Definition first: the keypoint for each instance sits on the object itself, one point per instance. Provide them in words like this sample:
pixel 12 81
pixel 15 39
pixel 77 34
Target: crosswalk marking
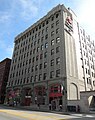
pixel 83 115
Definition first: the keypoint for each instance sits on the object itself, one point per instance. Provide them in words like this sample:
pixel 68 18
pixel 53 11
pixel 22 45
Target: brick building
pixel 4 72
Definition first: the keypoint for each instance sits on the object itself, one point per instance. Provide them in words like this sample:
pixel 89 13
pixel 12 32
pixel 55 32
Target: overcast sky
pixel 17 15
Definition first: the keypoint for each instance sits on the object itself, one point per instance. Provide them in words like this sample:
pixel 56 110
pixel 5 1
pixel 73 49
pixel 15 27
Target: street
pixel 17 114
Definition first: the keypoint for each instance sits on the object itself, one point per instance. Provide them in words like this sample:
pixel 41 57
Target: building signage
pixel 69 24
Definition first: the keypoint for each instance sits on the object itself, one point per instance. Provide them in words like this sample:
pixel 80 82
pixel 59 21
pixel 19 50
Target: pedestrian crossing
pixel 83 115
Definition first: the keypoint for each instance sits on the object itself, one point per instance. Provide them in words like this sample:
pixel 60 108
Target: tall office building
pixel 4 72
pixel 87 49
pixel 48 64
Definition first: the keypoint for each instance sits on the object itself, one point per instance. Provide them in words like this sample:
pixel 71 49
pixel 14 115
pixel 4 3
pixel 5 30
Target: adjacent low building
pixel 4 72
pixel 49 64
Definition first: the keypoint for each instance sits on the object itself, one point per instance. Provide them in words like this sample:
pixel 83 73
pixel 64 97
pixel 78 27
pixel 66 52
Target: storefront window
pixel 40 94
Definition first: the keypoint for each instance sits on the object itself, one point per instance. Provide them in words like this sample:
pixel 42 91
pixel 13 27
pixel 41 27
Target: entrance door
pixel 27 101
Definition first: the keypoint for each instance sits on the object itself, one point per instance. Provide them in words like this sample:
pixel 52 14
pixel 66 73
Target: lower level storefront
pixel 37 95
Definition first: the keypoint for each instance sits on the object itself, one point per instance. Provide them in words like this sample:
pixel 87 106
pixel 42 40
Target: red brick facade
pixel 4 72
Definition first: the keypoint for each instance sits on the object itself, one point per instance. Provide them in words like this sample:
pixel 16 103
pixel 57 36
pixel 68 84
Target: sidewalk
pixel 45 110
pixel 37 109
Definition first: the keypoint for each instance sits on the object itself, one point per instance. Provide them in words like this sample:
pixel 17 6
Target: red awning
pixel 55 94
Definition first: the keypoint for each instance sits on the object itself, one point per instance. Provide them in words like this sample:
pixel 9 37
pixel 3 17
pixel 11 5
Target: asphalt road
pixel 17 114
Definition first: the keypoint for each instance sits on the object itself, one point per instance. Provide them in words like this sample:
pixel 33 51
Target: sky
pixel 17 15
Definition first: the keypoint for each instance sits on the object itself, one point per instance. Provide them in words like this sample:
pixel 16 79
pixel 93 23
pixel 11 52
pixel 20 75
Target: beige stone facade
pixel 47 64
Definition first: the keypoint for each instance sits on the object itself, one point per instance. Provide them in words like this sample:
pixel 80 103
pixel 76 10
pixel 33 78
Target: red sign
pixel 69 24
pixel 69 20
pixel 55 94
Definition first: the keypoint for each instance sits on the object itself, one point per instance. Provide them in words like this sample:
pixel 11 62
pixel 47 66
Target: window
pixel 47 22
pixel 31 52
pixel 40 67
pixel 26 48
pixel 35 78
pixel 26 62
pixel 31 45
pixel 34 51
pixel 94 82
pixel 39 34
pixel 43 24
pixel 40 77
pixel 29 61
pixel 52 33
pixel 31 79
pixel 24 80
pixel 33 59
pixel 38 49
pixel 45 76
pixel 84 60
pixel 36 67
pixel 57 73
pixel 45 54
pixel 45 64
pixel 27 79
pixel 52 18
pixel 86 54
pixel 21 81
pixel 57 22
pixel 46 36
pixel 57 30
pixel 16 74
pixel 92 74
pixel 87 63
pixel 38 41
pixel 52 62
pixel 37 57
pixel 25 70
pixel 86 70
pixel 52 42
pixel 57 49
pixel 32 69
pixel 52 51
pixel 46 45
pixel 39 26
pixel 52 25
pixel 88 81
pixel 46 29
pixel 57 39
pixel 42 39
pixel 42 31
pixel 51 74
pixel 23 63
pixel 32 37
pixel 58 60
pixel 27 54
pixel 41 56
pixel 22 72
pixel 34 43
pixel 85 47
pixel 57 15
pixel 35 35
pixel 41 47
pixel 36 29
